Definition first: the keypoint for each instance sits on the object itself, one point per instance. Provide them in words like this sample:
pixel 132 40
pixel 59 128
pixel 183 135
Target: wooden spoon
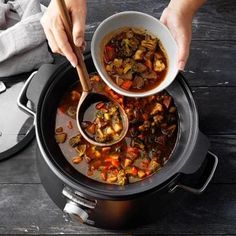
pixel 88 97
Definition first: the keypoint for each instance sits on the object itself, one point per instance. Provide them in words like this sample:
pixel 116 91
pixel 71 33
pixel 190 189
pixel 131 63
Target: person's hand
pixel 180 26
pixel 55 32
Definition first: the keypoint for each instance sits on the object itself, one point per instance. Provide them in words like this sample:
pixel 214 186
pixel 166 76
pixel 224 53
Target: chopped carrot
pixel 100 105
pixel 114 162
pixel 127 84
pixel 69 125
pixel 77 160
pixel 148 63
pixel 109 54
pixel 134 171
pixel 91 129
pixel 114 95
pixel 104 175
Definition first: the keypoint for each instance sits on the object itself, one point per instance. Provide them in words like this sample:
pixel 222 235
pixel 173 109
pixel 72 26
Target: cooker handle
pixel 38 82
pixel 211 164
pixel 22 100
pixel 197 155
pixel 33 87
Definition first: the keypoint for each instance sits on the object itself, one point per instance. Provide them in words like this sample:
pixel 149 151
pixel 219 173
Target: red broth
pixel 135 60
pixel 145 149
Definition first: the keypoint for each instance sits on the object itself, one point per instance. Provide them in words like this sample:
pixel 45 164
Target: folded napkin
pixel 23 44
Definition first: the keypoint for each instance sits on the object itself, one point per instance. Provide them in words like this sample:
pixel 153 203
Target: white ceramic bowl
pixel 136 20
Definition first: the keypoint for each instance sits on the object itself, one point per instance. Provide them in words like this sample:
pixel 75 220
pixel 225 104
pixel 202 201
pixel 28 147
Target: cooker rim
pixel 114 194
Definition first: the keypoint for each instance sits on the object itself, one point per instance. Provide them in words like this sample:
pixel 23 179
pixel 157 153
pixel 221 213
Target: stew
pixel 135 60
pixel 145 149
pixel 103 122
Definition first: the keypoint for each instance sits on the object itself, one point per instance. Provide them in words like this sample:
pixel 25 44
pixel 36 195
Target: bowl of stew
pixel 135 54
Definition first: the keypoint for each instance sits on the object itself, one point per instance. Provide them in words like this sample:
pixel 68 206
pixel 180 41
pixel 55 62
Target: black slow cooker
pixel 99 204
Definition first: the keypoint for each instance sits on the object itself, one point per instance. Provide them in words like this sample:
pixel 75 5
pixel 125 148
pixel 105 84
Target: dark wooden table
pixel 26 208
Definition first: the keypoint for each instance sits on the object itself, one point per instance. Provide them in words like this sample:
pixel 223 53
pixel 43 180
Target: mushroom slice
pixel 74 141
pixel 60 138
pixel 80 149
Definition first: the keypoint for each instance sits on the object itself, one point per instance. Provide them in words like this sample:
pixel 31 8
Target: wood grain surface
pixel 25 207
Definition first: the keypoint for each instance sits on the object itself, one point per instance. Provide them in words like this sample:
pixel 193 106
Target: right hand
pixel 55 32
pixel 180 26
pixel 178 17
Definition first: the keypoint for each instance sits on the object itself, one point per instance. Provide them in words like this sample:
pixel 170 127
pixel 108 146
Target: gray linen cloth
pixel 23 44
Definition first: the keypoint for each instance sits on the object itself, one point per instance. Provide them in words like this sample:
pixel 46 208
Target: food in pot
pixel 103 122
pixel 135 60
pixel 146 147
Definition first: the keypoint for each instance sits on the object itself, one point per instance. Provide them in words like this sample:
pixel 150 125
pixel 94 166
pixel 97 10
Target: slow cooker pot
pixel 99 204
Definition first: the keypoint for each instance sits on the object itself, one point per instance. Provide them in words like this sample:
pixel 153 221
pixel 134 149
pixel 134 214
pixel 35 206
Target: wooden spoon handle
pixel 81 67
